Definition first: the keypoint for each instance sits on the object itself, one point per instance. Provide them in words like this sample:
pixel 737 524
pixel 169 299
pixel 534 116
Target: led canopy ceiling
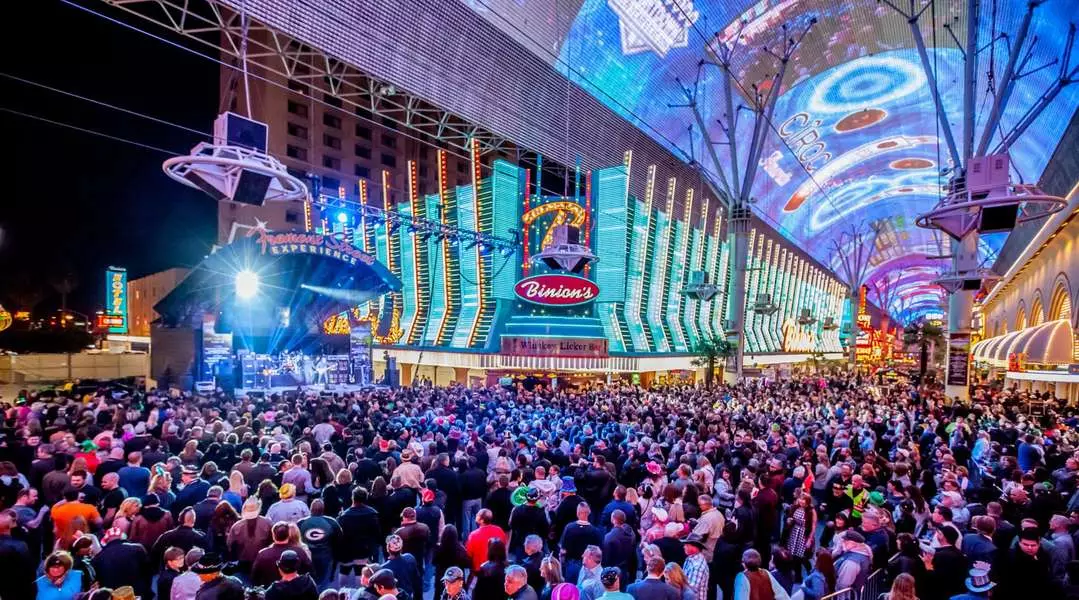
pixel 854 138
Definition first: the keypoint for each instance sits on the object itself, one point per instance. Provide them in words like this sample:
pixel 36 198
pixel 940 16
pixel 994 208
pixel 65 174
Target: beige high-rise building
pixel 314 133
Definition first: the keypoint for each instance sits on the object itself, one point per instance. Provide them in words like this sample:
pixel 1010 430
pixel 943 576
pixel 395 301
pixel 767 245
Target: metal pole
pixel 970 78
pixel 740 219
pixel 1007 80
pixel 732 135
pixel 945 127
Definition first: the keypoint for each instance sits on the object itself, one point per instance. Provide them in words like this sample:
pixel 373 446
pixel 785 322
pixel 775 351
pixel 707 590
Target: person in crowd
pixel 186 585
pixel 60 581
pixel 405 567
pixel 551 570
pixel 172 568
pixel 249 535
pixel 902 589
pixel 516 584
pixel 450 554
pixel 588 577
pixel 754 582
pixel 184 536
pixel 120 563
pixel 653 587
pixel 321 534
pixel 292 585
pixel 611 577
pixel 215 584
pixel 453 585
pixel 264 568
pixel 17 564
pixel 479 540
pixel 489 578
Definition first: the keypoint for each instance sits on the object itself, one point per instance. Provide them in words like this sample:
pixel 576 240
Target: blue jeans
pixel 469 510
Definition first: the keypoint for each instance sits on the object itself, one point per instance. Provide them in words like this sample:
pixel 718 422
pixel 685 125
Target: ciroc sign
pixel 556 290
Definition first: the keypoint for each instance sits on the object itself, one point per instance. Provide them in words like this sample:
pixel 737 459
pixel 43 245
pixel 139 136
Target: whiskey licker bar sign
pixel 556 290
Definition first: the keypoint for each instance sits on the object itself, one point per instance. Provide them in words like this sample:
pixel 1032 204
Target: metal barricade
pixel 872 588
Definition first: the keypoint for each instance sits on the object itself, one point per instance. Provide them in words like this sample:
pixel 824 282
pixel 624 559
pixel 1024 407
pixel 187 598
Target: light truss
pixel 213 23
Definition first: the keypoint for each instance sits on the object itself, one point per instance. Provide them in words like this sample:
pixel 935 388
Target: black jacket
pixel 301 588
pixel 361 534
pixel 222 588
pixel 184 538
pixel 121 563
pixel 448 482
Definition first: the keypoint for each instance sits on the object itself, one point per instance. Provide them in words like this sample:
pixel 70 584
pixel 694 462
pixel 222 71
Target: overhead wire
pixel 269 81
pixel 88 131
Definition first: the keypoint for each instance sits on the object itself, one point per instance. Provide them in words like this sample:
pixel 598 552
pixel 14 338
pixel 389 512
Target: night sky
pixel 81 202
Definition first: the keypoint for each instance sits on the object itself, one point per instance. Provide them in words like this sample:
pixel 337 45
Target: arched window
pixel 1021 319
pixel 1060 306
pixel 1037 313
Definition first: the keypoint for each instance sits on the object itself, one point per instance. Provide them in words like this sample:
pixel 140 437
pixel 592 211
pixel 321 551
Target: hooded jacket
pixel 148 525
pixel 853 566
pixel 300 588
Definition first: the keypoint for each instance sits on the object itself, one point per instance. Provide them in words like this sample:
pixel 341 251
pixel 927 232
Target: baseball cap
pixel 453 574
pixel 289 562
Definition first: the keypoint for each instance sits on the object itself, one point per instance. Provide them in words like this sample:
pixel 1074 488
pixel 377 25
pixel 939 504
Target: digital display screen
pixel 854 137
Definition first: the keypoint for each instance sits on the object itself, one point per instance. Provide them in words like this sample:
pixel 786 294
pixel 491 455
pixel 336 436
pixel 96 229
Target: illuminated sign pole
pixel 116 298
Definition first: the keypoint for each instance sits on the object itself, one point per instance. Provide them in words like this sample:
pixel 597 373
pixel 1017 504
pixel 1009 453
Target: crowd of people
pixel 809 488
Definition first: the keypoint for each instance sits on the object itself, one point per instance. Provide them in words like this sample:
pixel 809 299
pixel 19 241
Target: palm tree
pixel 709 351
pixel 923 334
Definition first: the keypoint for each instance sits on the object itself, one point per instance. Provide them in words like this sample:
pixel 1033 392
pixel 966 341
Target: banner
pixel 958 358
pixel 116 298
pixel 359 354
pixel 563 347
pixel 216 351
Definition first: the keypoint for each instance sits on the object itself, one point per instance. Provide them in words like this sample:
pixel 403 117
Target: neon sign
pixel 116 297
pixel 560 208
pixel 556 290
pixel 333 246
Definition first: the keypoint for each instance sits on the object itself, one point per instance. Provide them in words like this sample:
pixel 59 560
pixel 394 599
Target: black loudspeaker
pixel 243 132
pixel 972 285
pixel 573 235
pixel 251 188
pixel 205 186
pixel 999 218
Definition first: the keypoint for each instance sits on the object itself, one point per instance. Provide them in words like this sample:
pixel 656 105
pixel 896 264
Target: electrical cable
pixel 275 83
pixel 89 131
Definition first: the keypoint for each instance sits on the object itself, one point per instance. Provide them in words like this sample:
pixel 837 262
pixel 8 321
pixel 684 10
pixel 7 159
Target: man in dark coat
pixel 184 537
pixel 215 585
pixel 194 489
pixel 121 563
pixel 619 549
pixel 447 481
pixel 653 587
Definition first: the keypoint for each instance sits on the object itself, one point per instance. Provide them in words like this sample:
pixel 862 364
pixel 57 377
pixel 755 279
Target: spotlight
pixel 506 251
pixel 342 217
pixel 247 284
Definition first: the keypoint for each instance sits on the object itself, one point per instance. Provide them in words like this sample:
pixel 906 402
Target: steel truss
pixel 213 23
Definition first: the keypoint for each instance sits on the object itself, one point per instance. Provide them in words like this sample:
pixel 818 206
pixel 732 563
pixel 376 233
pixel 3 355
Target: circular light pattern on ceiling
pixel 860 193
pixel 860 120
pixel 869 81
pixel 911 164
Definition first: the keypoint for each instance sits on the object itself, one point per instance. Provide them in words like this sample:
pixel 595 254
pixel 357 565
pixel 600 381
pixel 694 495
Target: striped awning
pixel 1050 343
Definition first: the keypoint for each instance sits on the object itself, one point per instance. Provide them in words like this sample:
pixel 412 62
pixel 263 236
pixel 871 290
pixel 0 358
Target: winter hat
pixel 565 591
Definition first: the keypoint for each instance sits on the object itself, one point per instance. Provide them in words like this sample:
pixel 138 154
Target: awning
pixel 1050 343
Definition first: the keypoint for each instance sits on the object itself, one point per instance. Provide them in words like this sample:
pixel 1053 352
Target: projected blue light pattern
pixel 854 136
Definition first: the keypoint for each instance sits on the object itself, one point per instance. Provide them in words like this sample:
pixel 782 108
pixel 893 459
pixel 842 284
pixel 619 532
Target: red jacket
pixel 478 540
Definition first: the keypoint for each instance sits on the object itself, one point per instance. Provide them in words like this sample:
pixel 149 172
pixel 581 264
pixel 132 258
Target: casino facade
pixel 596 284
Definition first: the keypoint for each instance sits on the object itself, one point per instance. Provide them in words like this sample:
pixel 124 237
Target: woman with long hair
pixel 321 475
pixel 237 492
pixel 490 578
pixel 902 589
pixel 221 521
pixel 161 486
pixel 449 552
pixel 551 571
pixel 126 513
pixel 821 580
pixel 798 534
pixel 676 578
pixel 267 494
pixel 337 496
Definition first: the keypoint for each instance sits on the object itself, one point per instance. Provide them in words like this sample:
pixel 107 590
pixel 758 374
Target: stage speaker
pixel 210 189
pixel 972 285
pixel 251 188
pixel 235 130
pixel 999 218
pixel 573 235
